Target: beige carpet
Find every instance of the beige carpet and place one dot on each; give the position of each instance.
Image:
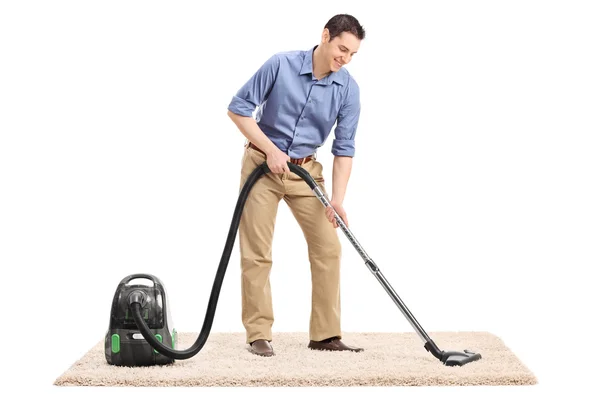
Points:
(389, 359)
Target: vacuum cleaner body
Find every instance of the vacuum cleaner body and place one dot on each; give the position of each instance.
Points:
(124, 345)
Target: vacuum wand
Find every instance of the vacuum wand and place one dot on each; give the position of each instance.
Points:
(373, 267)
(449, 358)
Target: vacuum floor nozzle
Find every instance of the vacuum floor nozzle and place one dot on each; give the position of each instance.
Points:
(459, 358)
(452, 358)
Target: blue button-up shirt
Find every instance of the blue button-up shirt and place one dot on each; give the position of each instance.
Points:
(297, 111)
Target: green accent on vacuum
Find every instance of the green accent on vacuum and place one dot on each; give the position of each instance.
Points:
(159, 337)
(116, 343)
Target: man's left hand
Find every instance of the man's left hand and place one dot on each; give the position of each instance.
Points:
(340, 211)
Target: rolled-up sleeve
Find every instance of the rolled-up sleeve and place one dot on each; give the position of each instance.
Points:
(347, 123)
(256, 90)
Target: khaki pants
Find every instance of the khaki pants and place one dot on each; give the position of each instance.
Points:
(256, 237)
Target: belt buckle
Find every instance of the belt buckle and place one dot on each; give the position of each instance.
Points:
(306, 159)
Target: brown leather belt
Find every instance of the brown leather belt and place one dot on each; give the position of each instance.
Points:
(297, 161)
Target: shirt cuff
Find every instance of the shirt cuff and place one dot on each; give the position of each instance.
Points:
(343, 147)
(241, 107)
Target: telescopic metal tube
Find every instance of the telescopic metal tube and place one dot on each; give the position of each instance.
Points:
(374, 269)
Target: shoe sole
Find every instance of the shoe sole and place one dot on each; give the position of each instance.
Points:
(321, 349)
(256, 353)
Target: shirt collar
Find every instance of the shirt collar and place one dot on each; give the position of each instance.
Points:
(307, 68)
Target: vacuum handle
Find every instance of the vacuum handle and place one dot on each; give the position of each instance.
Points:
(127, 279)
(302, 173)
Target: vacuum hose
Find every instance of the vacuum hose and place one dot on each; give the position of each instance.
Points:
(136, 300)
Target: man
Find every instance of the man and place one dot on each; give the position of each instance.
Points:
(300, 95)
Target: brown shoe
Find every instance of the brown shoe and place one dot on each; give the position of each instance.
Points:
(262, 347)
(332, 344)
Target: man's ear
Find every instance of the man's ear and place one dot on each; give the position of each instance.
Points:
(325, 35)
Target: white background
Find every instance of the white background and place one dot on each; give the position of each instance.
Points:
(475, 185)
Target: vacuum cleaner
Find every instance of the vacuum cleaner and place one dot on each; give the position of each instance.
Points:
(141, 332)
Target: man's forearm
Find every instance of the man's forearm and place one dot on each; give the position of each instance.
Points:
(252, 132)
(342, 166)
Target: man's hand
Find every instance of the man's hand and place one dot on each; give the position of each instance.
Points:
(277, 161)
(340, 211)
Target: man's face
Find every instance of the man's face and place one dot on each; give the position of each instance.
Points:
(340, 50)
